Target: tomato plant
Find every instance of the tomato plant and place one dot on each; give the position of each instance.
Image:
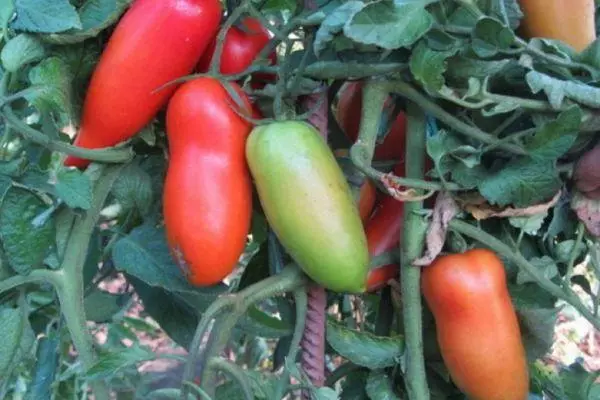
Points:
(162, 238)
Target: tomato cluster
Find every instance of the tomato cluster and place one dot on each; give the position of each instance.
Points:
(215, 154)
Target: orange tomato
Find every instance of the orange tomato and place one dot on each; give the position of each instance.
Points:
(477, 327)
(571, 21)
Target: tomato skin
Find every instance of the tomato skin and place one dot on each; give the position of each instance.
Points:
(155, 42)
(308, 203)
(571, 21)
(477, 327)
(241, 47)
(349, 115)
(208, 194)
(379, 277)
(366, 200)
(587, 173)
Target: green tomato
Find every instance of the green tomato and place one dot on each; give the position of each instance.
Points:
(308, 203)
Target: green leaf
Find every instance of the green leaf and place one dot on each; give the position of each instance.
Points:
(461, 67)
(490, 36)
(133, 189)
(545, 265)
(111, 363)
(144, 253)
(379, 386)
(554, 138)
(17, 339)
(558, 90)
(354, 386)
(100, 306)
(428, 67)
(259, 323)
(21, 50)
(468, 177)
(53, 78)
(522, 182)
(507, 10)
(45, 16)
(390, 24)
(7, 10)
(46, 366)
(537, 328)
(95, 15)
(577, 382)
(531, 224)
(564, 249)
(74, 188)
(364, 348)
(334, 23)
(26, 231)
(263, 387)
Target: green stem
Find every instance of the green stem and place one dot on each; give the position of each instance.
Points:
(289, 279)
(106, 155)
(411, 248)
(340, 372)
(574, 252)
(235, 373)
(501, 248)
(510, 138)
(215, 62)
(552, 58)
(409, 92)
(70, 285)
(35, 276)
(301, 307)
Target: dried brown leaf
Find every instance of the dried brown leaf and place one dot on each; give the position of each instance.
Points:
(480, 209)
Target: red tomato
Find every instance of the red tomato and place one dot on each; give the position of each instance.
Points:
(349, 114)
(477, 328)
(242, 46)
(383, 231)
(155, 42)
(208, 194)
(366, 200)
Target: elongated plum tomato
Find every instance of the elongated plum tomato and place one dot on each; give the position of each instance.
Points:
(208, 193)
(570, 21)
(154, 43)
(308, 203)
(477, 328)
(241, 47)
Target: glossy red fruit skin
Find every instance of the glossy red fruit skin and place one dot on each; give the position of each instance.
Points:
(384, 231)
(349, 115)
(477, 327)
(207, 195)
(587, 173)
(154, 43)
(242, 46)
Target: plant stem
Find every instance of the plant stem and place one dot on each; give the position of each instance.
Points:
(70, 287)
(106, 155)
(301, 307)
(35, 276)
(215, 62)
(411, 248)
(573, 255)
(501, 248)
(235, 373)
(409, 92)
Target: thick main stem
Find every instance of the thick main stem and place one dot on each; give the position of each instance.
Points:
(70, 285)
(411, 248)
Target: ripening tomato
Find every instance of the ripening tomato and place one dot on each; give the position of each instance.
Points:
(477, 327)
(154, 43)
(241, 47)
(208, 193)
(349, 115)
(570, 21)
(587, 173)
(308, 203)
(366, 199)
(383, 231)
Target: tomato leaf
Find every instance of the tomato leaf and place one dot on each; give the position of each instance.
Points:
(21, 50)
(144, 253)
(390, 24)
(53, 78)
(334, 23)
(554, 138)
(45, 16)
(537, 328)
(379, 386)
(17, 339)
(74, 188)
(95, 16)
(545, 265)
(111, 363)
(133, 190)
(26, 231)
(531, 224)
(490, 37)
(428, 67)
(522, 182)
(558, 90)
(263, 387)
(100, 306)
(354, 386)
(364, 348)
